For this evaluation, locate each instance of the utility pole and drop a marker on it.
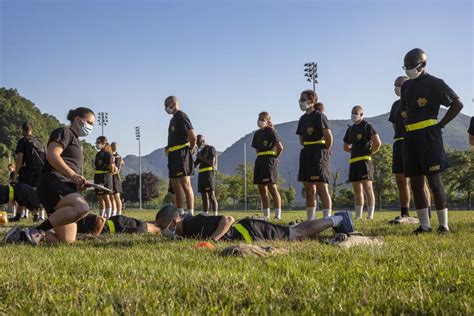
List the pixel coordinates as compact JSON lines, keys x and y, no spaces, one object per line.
{"x":138,"y":137}
{"x":311,"y":73}
{"x":103,"y":118}
{"x":245,"y":175}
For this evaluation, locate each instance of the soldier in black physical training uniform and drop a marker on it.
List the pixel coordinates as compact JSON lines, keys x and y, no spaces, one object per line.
{"x":316,"y":138}
{"x":116,"y":180}
{"x":268,"y":147}
{"x":247,"y":229}
{"x":423,"y":149}
{"x":471,"y":132}
{"x":60,"y":182}
{"x":103,"y":175}
{"x":398,"y":123}
{"x":30,"y":158}
{"x":362,"y":141}
{"x":118,"y":224}
{"x":206,"y":161}
{"x":181,"y":146}
{"x":21,"y":193}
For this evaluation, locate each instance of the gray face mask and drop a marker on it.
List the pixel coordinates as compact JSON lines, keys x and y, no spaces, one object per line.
{"x":169,"y":233}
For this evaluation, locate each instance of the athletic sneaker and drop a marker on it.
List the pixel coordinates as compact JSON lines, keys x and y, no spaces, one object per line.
{"x":421,"y":230}
{"x":15,"y":219}
{"x":345,"y":226}
{"x":13,"y":235}
{"x":34,"y":236}
{"x":442,"y":230}
{"x":36,"y":218}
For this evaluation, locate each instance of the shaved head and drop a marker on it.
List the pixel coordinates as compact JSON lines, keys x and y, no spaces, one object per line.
{"x":400,"y":80}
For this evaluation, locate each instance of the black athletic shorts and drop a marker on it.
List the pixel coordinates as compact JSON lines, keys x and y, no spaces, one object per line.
{"x":397,"y":157}
{"x":28,"y":176}
{"x":361,"y":170}
{"x":314,"y":164}
{"x":265,"y":170}
{"x":104,"y":179}
{"x":124,"y":225}
{"x":180,"y":163}
{"x":260,"y":229}
{"x":51,"y":188}
{"x":206,"y":181}
{"x":423,"y":152}
{"x":116,"y":184}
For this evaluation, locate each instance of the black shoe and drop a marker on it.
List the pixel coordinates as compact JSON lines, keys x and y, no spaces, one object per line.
{"x":36,"y":218}
{"x":421,"y":230}
{"x":15,"y":219}
{"x":442,"y":230}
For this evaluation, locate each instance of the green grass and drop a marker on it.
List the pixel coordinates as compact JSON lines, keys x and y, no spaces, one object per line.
{"x":144,"y":274}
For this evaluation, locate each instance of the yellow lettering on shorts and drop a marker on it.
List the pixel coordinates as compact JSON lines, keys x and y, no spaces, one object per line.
{"x":435,"y":168}
{"x":314,"y":178}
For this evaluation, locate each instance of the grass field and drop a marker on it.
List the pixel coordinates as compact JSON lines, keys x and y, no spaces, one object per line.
{"x":124,"y":274}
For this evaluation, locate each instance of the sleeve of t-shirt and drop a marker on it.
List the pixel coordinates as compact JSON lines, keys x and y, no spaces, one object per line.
{"x":346,"y":137}
{"x":276,"y":137}
{"x":403,"y":105}
{"x":391,"y":117}
{"x":324,"y":122}
{"x":298,"y":129}
{"x":370,"y":130}
{"x":211,"y":152}
{"x":20,"y":146}
{"x":471,"y":126}
{"x":445,"y":93}
{"x":187,"y":122}
{"x":60,"y":136}
{"x":254,"y":140}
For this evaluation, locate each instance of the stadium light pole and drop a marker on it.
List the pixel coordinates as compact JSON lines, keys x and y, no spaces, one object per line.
{"x":103,"y":119}
{"x":138,"y":137}
{"x":311,"y":73}
{"x":245,"y":175}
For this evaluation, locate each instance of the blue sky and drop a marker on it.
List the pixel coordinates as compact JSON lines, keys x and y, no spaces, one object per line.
{"x":225,"y":60}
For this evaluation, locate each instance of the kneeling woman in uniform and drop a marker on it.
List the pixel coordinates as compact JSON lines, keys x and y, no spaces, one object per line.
{"x":61,"y":182}
{"x":268,"y":146}
{"x":103,"y":175}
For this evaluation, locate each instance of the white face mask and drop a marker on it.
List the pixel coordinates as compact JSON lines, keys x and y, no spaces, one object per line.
{"x":169,"y":109}
{"x":261,"y":124}
{"x":398,"y":91}
{"x":355,"y":117}
{"x":304,"y":105}
{"x":168,"y":232}
{"x":85,"y":129}
{"x":414,"y":73}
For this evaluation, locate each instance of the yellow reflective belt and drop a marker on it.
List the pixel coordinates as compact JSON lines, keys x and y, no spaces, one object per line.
{"x":360,"y":159}
{"x":397,"y":139}
{"x":205,"y":169}
{"x":321,"y":141}
{"x":420,"y":125}
{"x":244,"y":232}
{"x":266,"y":153}
{"x":101,"y":171}
{"x":111,"y":226}
{"x":11,"y":193}
{"x":178,"y":147}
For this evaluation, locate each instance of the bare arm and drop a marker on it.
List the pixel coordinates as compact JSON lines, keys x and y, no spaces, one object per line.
{"x":376,"y":143}
{"x":347,"y":148}
{"x":327,"y":135}
{"x":471,"y":139}
{"x":454,"y":109}
{"x":192,"y":138}
{"x":279,"y":149}
{"x":222,"y":227}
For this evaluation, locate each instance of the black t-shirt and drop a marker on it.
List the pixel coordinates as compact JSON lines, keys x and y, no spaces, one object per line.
{"x":117,"y":160}
{"x":72,"y":153}
{"x":359,"y":136}
{"x":177,"y":131}
{"x":103,"y":160}
{"x":397,"y":119}
{"x":259,"y":229}
{"x":265,"y":139}
{"x":471,"y":126}
{"x":422,"y":97}
{"x":125,"y":225}
{"x":31,"y":159}
{"x":208,"y":152}
{"x":310,"y":126}
{"x":200,"y":226}
{"x":23,"y":194}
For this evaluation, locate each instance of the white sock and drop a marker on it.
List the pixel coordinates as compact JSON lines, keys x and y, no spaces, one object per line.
{"x":215,"y":213}
{"x":205,"y":213}
{"x":370,"y":211}
{"x":190,"y":211}
{"x":278,"y":213}
{"x":23,"y":213}
{"x":359,"y":209}
{"x":266,"y":213}
{"x":119,"y":212}
{"x":326,"y":212}
{"x":336,"y":220}
{"x":443,"y":217}
{"x":114,"y":212}
{"x":109,"y":212}
{"x":180,"y":211}
{"x":26,"y":212}
{"x":42,"y":214}
{"x":424,"y":218}
{"x":102,"y":212}
{"x":310,"y":213}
